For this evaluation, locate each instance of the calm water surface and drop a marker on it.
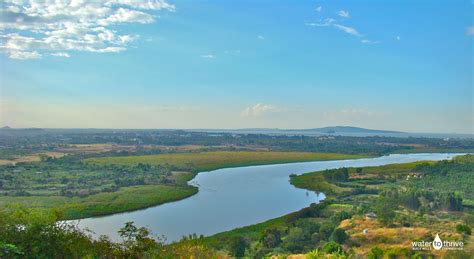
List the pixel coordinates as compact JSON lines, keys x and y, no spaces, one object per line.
{"x":235,"y":197}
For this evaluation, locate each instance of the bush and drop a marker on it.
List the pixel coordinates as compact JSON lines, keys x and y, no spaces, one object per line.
{"x":238,"y":246}
{"x":461,"y":228}
{"x":332,"y":247}
{"x":271,"y":238}
{"x":385,"y":208}
{"x":295,"y":240}
{"x":339,"y":236}
{"x":325,"y":231}
{"x":375,"y":253}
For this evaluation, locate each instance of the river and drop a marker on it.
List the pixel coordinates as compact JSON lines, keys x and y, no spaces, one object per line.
{"x":235,"y":197}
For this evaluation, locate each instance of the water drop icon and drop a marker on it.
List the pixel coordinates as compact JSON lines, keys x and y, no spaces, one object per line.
{"x":437,"y":242}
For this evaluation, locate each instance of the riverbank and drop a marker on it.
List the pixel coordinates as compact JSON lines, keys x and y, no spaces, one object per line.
{"x":125,"y":199}
{"x":363,"y":216}
{"x":208,"y":161}
{"x":112,"y":185}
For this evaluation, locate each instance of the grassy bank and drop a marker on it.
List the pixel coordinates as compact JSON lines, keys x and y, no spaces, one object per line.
{"x":125,"y":199}
{"x":411,"y":201}
{"x":207,"y":161}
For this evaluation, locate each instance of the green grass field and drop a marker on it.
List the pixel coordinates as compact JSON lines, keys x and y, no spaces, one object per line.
{"x":207,"y":161}
{"x":125,"y":199}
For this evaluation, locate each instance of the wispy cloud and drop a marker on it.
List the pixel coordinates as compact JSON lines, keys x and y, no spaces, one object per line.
{"x":209,"y":56}
{"x":366,"y":41}
{"x":344,"y":14}
{"x":347,"y":29}
{"x":398,"y":37}
{"x":60,"y":54}
{"x":31,"y":28}
{"x":319,"y":9}
{"x":260,"y":37}
{"x":470,"y":31}
{"x":331,"y":22}
{"x":258,"y":110}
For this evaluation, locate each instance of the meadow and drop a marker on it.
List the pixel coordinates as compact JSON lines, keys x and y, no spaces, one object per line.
{"x":125,"y":199}
{"x":207,"y":161}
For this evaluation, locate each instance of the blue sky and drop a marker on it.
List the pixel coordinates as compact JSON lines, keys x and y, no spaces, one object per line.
{"x":400,"y":65}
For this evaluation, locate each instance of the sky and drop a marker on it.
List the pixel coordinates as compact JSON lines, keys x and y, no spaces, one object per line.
{"x":395,"y":65}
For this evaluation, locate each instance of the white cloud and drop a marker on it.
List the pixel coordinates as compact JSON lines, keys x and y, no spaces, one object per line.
{"x":470,"y":31}
{"x":331,"y":22}
{"x":319,"y":9}
{"x":61,"y":54}
{"x":210,"y":56}
{"x":366,"y":41}
{"x":398,"y":37}
{"x":127,"y":16}
{"x":347,"y":29}
{"x":147,"y":5}
{"x":258,"y":110}
{"x":344,"y":14}
{"x":24,"y":55}
{"x":30,"y":28}
{"x":260,"y":37}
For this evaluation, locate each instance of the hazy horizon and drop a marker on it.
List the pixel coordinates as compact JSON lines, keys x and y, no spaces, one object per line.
{"x":248,"y":129}
{"x":235,"y":65}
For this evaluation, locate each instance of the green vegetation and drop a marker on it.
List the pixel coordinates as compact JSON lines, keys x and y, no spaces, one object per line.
{"x":207,"y":161}
{"x":83,"y":190}
{"x":141,"y":142}
{"x":109,"y":185}
{"x":124,"y":199}
{"x":36,"y":234}
{"x":136,"y":169}
{"x":411,"y":201}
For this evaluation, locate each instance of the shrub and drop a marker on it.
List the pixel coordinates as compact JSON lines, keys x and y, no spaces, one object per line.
{"x":339,"y":236}
{"x":461,"y":228}
{"x":332,"y":247}
{"x":325,"y":231}
{"x":375,"y":253}
{"x":238,"y":246}
{"x":271,"y":238}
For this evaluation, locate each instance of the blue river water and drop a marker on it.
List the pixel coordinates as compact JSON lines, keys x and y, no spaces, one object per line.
{"x":235,"y":197}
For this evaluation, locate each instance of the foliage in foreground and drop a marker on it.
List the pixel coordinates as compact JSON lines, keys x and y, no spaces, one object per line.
{"x":36,"y":234}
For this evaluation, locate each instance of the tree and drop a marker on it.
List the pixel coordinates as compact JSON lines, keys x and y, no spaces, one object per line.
{"x":271,"y":238}
{"x":295,"y":240}
{"x":238,"y":246}
{"x":325,"y":231}
{"x":339,"y":236}
{"x":385,"y":209}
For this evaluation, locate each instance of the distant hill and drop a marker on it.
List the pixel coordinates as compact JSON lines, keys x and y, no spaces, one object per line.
{"x":332,"y":130}
{"x":349,"y":129}
{"x":336,"y":130}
